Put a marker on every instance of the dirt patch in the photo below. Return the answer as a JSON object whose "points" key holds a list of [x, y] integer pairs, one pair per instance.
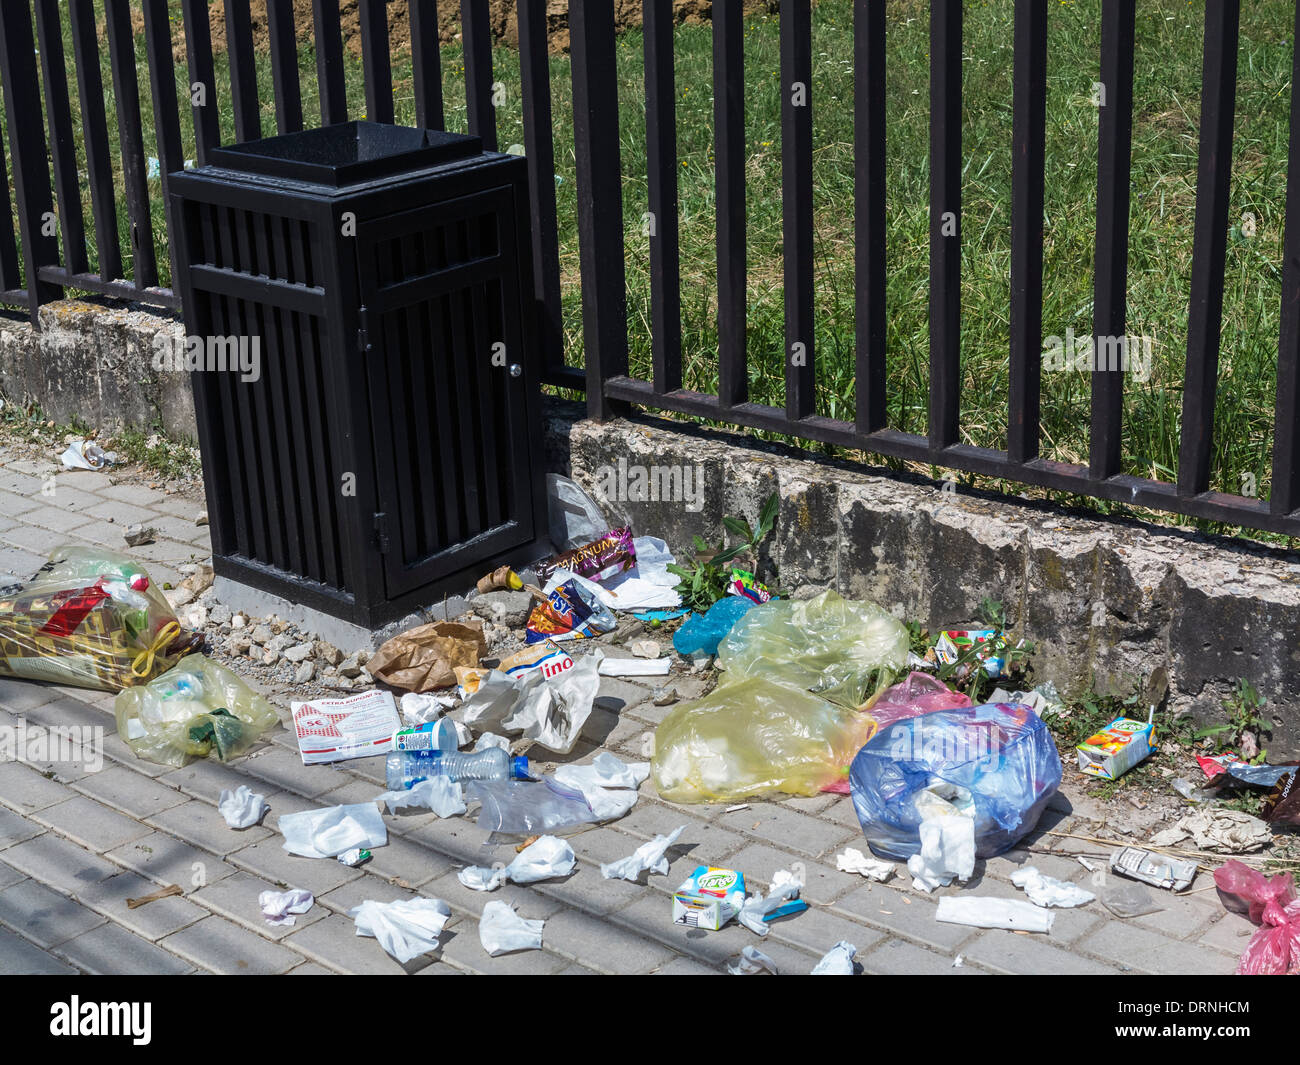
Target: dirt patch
{"points": [[501, 17]]}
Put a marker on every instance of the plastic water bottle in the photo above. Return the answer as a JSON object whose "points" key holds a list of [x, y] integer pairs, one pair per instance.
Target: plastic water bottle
{"points": [[407, 768]]}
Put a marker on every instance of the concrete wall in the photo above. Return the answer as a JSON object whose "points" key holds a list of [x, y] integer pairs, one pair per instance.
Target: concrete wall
{"points": [[1105, 601], [95, 362]]}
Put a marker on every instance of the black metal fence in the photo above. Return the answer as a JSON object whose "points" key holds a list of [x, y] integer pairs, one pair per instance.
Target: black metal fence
{"points": [[33, 271]]}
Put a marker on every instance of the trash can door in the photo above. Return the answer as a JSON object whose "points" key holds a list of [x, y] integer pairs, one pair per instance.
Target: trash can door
{"points": [[440, 333]]}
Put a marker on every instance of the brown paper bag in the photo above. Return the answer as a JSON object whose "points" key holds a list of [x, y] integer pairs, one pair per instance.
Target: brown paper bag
{"points": [[425, 658]]}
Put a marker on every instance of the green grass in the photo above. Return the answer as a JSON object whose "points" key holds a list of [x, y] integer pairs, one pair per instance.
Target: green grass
{"points": [[1165, 137]]}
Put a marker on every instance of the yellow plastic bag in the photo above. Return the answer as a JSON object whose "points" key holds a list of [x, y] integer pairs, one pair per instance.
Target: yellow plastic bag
{"points": [[844, 650], [752, 737], [196, 709]]}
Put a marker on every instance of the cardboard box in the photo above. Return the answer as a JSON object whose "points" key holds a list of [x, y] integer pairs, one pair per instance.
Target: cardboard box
{"points": [[709, 898]]}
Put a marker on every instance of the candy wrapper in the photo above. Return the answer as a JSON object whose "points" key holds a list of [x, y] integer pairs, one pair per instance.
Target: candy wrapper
{"points": [[196, 709], [612, 554], [569, 613], [953, 643], [742, 583], [89, 618]]}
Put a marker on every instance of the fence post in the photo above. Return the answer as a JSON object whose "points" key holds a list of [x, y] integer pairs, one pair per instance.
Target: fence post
{"points": [[600, 200], [31, 174]]}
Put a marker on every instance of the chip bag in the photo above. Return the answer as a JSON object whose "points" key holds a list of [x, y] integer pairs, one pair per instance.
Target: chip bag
{"points": [[90, 618]]}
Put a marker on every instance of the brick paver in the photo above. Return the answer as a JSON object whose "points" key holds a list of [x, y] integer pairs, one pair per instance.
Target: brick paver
{"points": [[75, 844]]}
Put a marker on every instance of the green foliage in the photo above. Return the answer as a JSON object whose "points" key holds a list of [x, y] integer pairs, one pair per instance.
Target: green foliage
{"points": [[1245, 714], [704, 578]]}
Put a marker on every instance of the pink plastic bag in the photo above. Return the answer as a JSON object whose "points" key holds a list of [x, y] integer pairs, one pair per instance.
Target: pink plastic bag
{"points": [[1271, 903], [915, 694]]}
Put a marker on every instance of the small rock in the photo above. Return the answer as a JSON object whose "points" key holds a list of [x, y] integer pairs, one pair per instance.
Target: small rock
{"points": [[700, 662], [298, 653], [350, 666], [270, 658], [306, 671], [328, 653], [262, 634], [503, 607], [201, 518], [364, 678], [239, 621], [137, 535], [220, 615], [665, 696], [645, 648], [178, 597], [238, 645]]}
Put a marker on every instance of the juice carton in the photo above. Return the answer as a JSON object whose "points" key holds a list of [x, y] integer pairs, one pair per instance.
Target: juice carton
{"points": [[1117, 748]]}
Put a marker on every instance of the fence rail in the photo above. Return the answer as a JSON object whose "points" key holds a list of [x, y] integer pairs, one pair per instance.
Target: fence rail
{"points": [[36, 265]]}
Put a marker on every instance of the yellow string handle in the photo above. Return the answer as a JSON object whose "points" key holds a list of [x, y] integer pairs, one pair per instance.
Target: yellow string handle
{"points": [[143, 664]]}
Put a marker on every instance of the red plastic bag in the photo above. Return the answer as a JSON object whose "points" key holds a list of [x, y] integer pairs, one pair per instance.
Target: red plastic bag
{"points": [[915, 694], [1271, 903]]}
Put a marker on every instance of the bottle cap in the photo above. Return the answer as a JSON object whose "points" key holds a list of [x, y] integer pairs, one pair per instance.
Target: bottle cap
{"points": [[519, 769]]}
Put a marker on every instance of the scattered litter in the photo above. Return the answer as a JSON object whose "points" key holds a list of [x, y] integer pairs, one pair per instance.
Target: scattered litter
{"points": [[738, 806], [87, 455], [164, 893], [550, 711], [406, 928], [598, 560], [354, 857], [1091, 866], [701, 633], [1228, 831], [709, 898], [838, 961], [330, 831], [525, 808], [568, 611], [440, 794], [782, 900], [403, 769], [546, 857], [419, 708], [752, 962], [1127, 900], [1158, 870], [983, 912], [635, 667], [645, 648], [425, 658], [1114, 750], [606, 771], [1283, 803], [501, 930], [501, 579], [242, 808], [138, 535], [959, 961], [649, 856], [573, 517], [951, 644], [195, 709], [488, 740], [1271, 903], [854, 861], [282, 908], [332, 730], [1048, 891]]}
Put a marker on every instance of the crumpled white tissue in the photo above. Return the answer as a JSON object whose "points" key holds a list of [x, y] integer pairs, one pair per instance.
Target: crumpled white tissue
{"points": [[982, 912], [419, 708], [501, 930], [242, 808], [838, 961], [491, 739], [785, 886], [546, 857], [442, 795], [608, 784], [752, 962], [947, 851], [406, 928], [1048, 891], [281, 907], [550, 712], [854, 861], [647, 856], [333, 830]]}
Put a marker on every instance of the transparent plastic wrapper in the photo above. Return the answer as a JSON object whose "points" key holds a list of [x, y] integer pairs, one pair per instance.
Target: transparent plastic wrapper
{"points": [[1270, 902], [752, 737], [999, 758], [193, 710], [841, 649], [573, 517], [529, 808], [90, 618]]}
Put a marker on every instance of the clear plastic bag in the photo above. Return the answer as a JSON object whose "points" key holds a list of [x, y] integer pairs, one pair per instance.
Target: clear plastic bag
{"points": [[841, 649], [573, 517], [752, 737], [1269, 902], [90, 618], [528, 808], [196, 709], [1000, 758]]}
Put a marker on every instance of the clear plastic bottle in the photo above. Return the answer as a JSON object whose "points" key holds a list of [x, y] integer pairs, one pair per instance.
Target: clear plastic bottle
{"points": [[405, 769]]}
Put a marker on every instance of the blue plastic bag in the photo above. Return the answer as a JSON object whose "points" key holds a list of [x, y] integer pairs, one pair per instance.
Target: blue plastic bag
{"points": [[703, 632], [1003, 756]]}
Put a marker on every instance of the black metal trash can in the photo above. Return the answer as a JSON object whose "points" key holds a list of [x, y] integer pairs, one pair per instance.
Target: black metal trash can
{"points": [[377, 441]]}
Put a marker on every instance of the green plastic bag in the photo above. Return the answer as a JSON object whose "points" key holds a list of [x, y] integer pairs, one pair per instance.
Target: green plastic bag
{"points": [[844, 650], [752, 737], [197, 708]]}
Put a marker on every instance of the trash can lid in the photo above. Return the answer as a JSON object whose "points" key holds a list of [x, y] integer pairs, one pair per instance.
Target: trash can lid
{"points": [[346, 153]]}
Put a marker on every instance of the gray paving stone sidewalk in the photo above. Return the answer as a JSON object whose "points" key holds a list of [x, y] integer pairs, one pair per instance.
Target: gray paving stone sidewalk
{"points": [[76, 845]]}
